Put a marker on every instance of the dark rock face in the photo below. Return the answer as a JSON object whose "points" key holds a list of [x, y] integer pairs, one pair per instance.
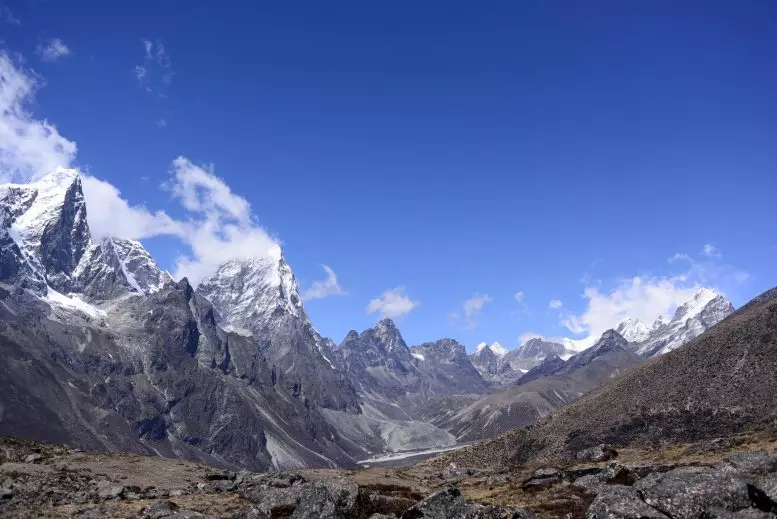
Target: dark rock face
{"points": [[387, 371]]}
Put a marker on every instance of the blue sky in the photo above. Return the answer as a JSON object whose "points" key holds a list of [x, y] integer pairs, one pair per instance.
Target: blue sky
{"points": [[464, 153]]}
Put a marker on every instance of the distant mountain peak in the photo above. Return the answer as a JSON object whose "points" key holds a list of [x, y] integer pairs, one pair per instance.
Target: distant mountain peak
{"points": [[706, 308], [248, 292], [633, 330], [495, 348]]}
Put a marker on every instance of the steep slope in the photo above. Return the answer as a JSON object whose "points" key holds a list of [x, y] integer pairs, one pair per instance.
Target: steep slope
{"points": [[561, 383], [718, 384], [154, 374], [488, 360], [705, 309], [259, 298]]}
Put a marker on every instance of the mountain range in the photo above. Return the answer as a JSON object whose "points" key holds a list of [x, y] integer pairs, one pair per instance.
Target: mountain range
{"points": [[104, 350]]}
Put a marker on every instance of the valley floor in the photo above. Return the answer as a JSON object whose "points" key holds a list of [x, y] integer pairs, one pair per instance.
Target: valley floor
{"points": [[51, 481]]}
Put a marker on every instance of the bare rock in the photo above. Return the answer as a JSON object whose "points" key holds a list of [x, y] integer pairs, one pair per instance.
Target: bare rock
{"points": [[598, 453], [448, 504], [158, 510], [615, 474], [621, 502], [33, 458], [687, 492]]}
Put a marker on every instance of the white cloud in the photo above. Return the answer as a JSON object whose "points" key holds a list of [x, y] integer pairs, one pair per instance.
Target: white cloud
{"points": [[160, 123], [29, 148], [53, 49], [555, 304], [641, 298], [111, 216], [155, 74], [221, 226], [519, 296], [710, 251], [325, 288], [646, 297], [392, 303], [470, 312]]}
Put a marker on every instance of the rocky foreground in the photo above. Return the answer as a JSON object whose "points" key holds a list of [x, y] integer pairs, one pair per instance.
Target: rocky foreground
{"points": [[732, 477]]}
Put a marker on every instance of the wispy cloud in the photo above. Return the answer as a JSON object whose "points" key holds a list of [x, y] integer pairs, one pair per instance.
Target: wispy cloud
{"points": [[6, 15], [324, 288], [680, 257], [710, 251], [155, 74], [160, 123], [470, 312], [555, 304], [53, 49], [519, 296], [392, 303]]}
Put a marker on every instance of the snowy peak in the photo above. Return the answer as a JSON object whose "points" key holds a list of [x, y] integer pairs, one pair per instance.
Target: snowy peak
{"points": [[660, 321], [695, 305], [252, 293], [495, 348], [47, 221], [633, 330], [136, 265], [705, 309]]}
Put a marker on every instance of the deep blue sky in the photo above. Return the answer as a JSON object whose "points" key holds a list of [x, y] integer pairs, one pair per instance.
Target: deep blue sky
{"points": [[453, 148]]}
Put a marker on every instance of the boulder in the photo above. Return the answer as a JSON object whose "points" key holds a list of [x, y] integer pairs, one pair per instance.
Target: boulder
{"points": [[158, 510], [598, 453], [689, 491], [33, 458], [621, 502], [448, 504], [542, 478], [615, 474]]}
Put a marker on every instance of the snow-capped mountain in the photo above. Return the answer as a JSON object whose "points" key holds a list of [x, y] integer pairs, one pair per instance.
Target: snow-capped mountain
{"points": [[249, 294], [633, 330], [705, 309], [44, 229], [496, 348]]}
